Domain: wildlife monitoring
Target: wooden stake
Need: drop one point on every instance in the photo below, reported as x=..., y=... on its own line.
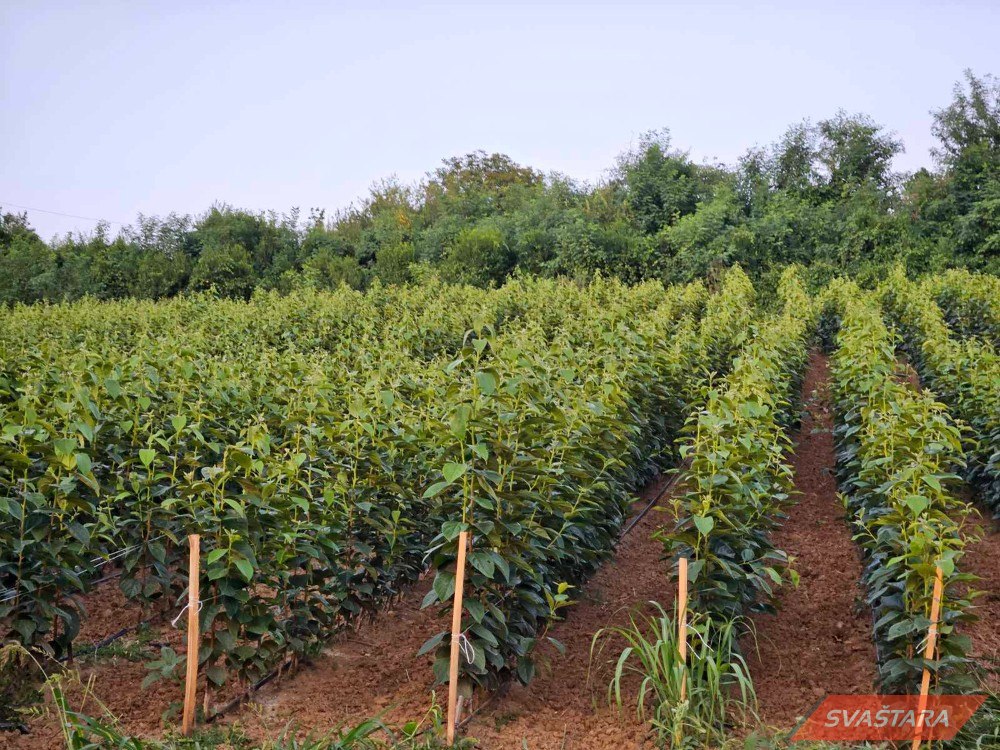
x=932, y=633
x=682, y=603
x=456, y=633
x=191, y=678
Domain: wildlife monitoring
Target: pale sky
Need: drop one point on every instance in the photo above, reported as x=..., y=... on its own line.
x=111, y=109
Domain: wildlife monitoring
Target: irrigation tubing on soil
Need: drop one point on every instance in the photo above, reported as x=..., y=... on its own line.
x=649, y=506
x=245, y=695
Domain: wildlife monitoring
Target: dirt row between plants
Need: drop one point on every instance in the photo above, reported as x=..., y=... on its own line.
x=115, y=679
x=982, y=558
x=564, y=707
x=820, y=640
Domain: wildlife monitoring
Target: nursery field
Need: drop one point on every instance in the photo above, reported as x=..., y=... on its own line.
x=816, y=460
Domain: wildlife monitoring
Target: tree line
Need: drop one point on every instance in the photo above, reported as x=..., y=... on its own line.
x=824, y=195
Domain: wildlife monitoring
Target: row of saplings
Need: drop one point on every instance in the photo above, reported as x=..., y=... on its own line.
x=900, y=459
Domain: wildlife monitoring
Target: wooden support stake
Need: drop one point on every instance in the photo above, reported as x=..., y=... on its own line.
x=456, y=634
x=932, y=633
x=191, y=677
x=682, y=603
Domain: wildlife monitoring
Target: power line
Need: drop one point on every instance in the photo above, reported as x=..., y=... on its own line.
x=59, y=213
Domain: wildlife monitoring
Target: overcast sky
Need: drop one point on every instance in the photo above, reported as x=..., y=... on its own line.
x=111, y=109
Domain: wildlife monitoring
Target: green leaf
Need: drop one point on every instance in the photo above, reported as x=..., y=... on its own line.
x=483, y=562
x=916, y=503
x=83, y=464
x=435, y=489
x=245, y=568
x=146, y=455
x=444, y=585
x=453, y=471
x=431, y=643
x=216, y=674
x=460, y=420
x=65, y=446
x=705, y=524
x=487, y=381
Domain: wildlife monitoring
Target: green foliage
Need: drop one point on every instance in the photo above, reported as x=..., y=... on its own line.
x=225, y=268
x=970, y=302
x=737, y=481
x=544, y=492
x=328, y=271
x=956, y=208
x=898, y=455
x=964, y=374
x=321, y=444
x=714, y=680
x=478, y=256
x=662, y=184
x=392, y=264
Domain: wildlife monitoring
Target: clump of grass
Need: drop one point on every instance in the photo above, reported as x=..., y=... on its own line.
x=719, y=692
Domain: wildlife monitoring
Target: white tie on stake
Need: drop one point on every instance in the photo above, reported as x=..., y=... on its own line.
x=191, y=676
x=457, y=637
x=173, y=623
x=467, y=649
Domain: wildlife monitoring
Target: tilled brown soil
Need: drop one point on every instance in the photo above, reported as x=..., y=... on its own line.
x=113, y=681
x=372, y=672
x=819, y=642
x=982, y=558
x=566, y=706
x=379, y=672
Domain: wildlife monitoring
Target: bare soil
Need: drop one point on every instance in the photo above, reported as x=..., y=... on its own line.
x=372, y=672
x=982, y=558
x=113, y=679
x=819, y=642
x=566, y=706
x=378, y=672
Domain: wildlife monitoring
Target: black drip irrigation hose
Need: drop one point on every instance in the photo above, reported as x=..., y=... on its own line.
x=649, y=506
x=248, y=693
x=670, y=484
x=97, y=645
x=270, y=676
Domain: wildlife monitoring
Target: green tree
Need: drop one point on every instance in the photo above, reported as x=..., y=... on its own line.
x=479, y=256
x=856, y=153
x=392, y=263
x=661, y=183
x=327, y=270
x=226, y=268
